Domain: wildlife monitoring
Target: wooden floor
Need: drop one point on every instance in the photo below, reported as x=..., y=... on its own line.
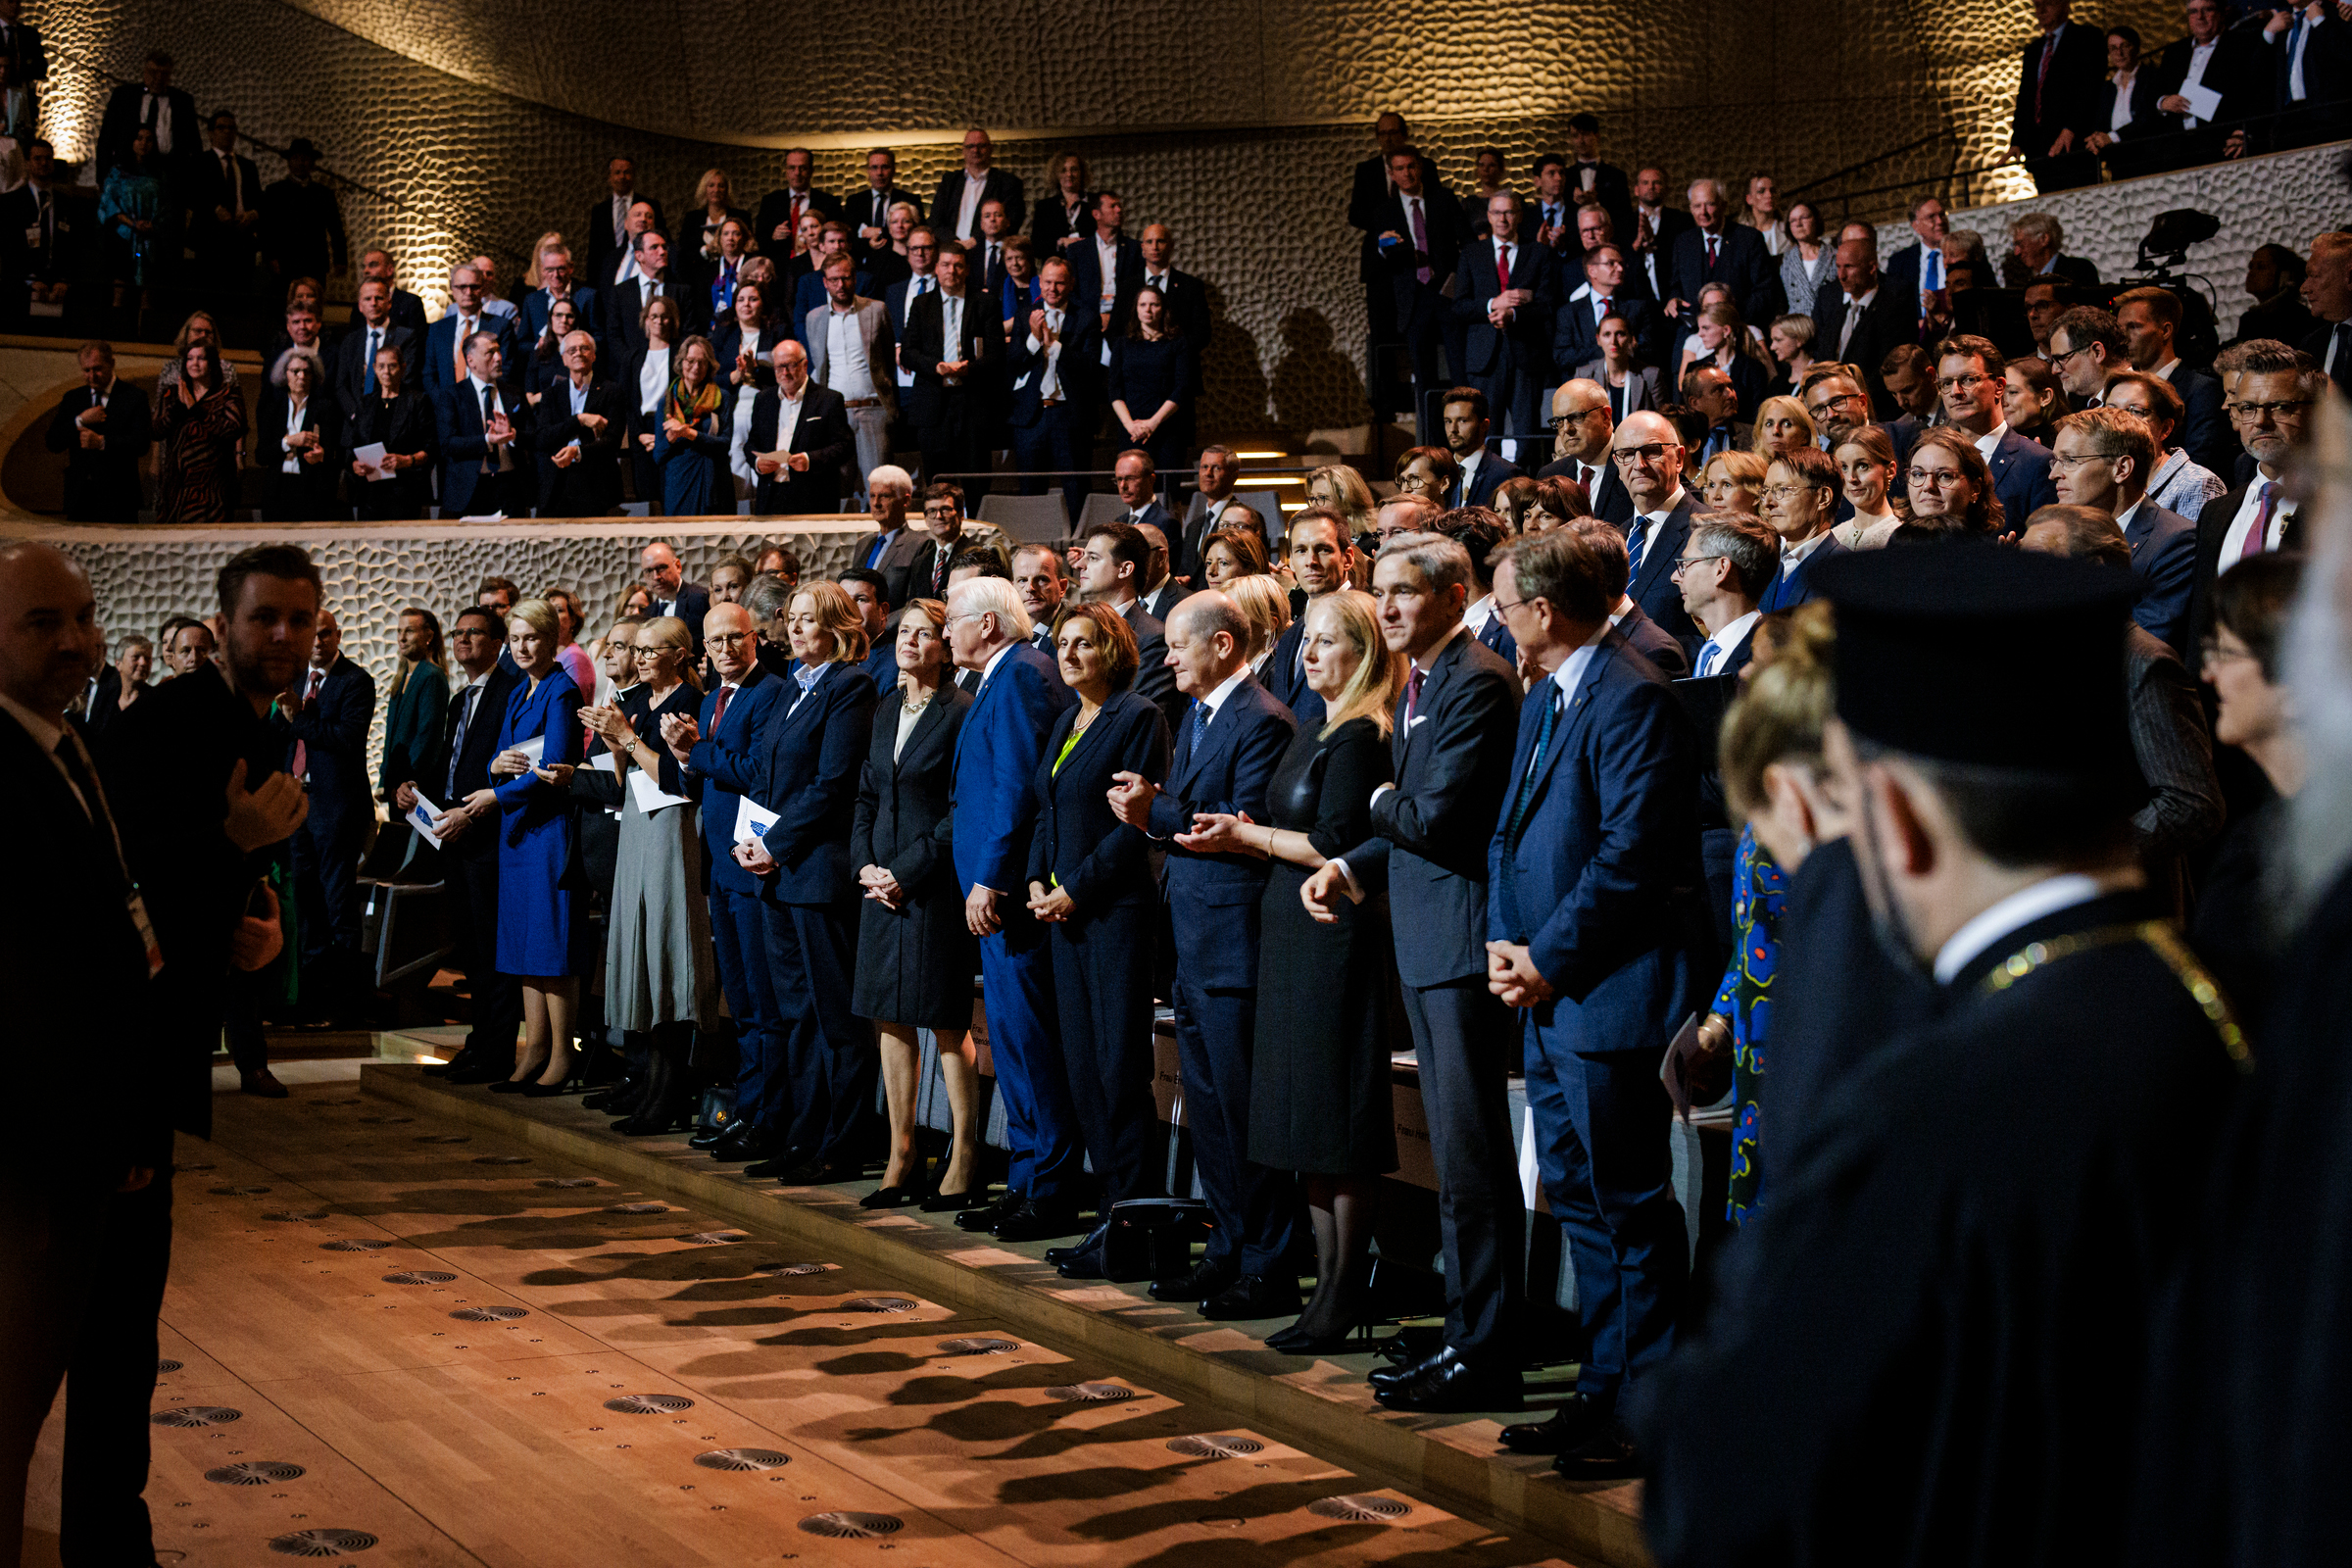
x=410, y=1339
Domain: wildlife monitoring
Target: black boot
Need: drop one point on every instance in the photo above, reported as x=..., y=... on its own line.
x=617, y=1097
x=665, y=1101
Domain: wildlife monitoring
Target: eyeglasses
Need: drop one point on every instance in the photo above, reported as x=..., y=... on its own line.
x=2059, y=359
x=1686, y=563
x=2290, y=408
x=1827, y=404
x=1503, y=609
x=2070, y=461
x=1782, y=492
x=1960, y=383
x=1653, y=451
x=1938, y=477
x=2217, y=654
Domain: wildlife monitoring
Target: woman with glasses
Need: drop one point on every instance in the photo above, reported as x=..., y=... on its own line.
x=543, y=367
x=1950, y=486
x=1809, y=262
x=2178, y=483
x=1430, y=471
x=1866, y=468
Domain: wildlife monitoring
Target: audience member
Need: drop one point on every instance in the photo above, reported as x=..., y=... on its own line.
x=199, y=427
x=103, y=428
x=2100, y=459
x=2177, y=484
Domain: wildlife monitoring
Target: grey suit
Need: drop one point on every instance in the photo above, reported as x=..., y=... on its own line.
x=1640, y=389
x=869, y=414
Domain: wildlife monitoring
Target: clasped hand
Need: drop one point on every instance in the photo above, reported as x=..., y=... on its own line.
x=881, y=886
x=1220, y=833
x=1050, y=904
x=680, y=732
x=1512, y=975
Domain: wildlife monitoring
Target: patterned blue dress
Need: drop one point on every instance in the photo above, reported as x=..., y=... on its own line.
x=537, y=860
x=1759, y=900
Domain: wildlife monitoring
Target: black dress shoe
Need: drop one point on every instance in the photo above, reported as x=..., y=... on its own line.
x=985, y=1217
x=1198, y=1282
x=1408, y=1344
x=1390, y=1377
x=1038, y=1222
x=1252, y=1297
x=1294, y=1341
x=1576, y=1420
x=615, y=1098
x=509, y=1086
x=807, y=1172
x=481, y=1071
x=891, y=1197
x=1455, y=1387
x=535, y=1090
x=955, y=1203
x=260, y=1082
x=743, y=1141
x=712, y=1136
x=1092, y=1243
x=1606, y=1456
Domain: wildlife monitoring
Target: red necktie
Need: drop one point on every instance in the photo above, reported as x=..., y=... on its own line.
x=2258, y=537
x=719, y=715
x=1502, y=267
x=1604, y=306
x=1413, y=695
x=1712, y=242
x=2041, y=74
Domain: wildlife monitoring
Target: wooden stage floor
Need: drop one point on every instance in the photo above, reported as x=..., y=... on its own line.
x=414, y=1331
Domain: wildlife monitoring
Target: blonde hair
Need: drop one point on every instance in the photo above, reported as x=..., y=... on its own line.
x=1350, y=496
x=1779, y=716
x=552, y=240
x=836, y=615
x=1371, y=692
x=1744, y=468
x=1265, y=603
x=669, y=631
x=1790, y=405
x=539, y=615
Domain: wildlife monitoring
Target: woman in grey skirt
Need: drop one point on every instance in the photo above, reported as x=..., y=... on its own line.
x=915, y=955
x=660, y=979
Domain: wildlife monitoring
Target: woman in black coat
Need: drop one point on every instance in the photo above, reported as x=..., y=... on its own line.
x=1090, y=878
x=297, y=438
x=1065, y=215
x=915, y=955
x=1155, y=376
x=400, y=421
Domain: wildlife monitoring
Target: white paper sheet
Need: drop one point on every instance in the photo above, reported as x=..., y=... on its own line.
x=649, y=796
x=425, y=817
x=372, y=454
x=531, y=749
x=753, y=821
x=2204, y=102
x=605, y=762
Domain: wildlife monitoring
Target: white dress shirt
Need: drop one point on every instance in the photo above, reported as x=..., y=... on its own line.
x=846, y=369
x=1719, y=647
x=295, y=410
x=504, y=461
x=1049, y=388
x=967, y=207
x=654, y=380
x=2013, y=913
x=1990, y=440
x=2233, y=540
x=1793, y=556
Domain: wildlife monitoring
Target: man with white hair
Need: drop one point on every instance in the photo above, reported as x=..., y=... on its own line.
x=1716, y=250
x=892, y=547
x=993, y=814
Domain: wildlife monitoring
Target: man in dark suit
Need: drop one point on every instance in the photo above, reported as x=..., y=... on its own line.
x=1184, y=296
x=1861, y=319
x=40, y=245
x=2037, y=254
x=2210, y=85
x=1419, y=244
x=955, y=204
x=1506, y=298
x=302, y=222
x=1602, y=294
x=407, y=309
x=351, y=368
x=1970, y=373
x=484, y=426
x=2275, y=412
x=1107, y=265
x=155, y=104
x=992, y=814
x=1582, y=433
x=1711, y=395
x=81, y=970
x=1480, y=469
x=578, y=428
x=1428, y=853
x=1055, y=361
x=2101, y=458
x=1225, y=752
x=557, y=283
x=1594, y=183
x=2151, y=322
x=1655, y=229
x=103, y=428
x=1800, y=506
x=606, y=234
x=800, y=438
x=1212, y=494
x=953, y=346
x=1593, y=899
x=780, y=210
x=657, y=565
x=1112, y=572
x=1717, y=250
x=1323, y=559
x=226, y=198
x=625, y=303
x=445, y=341
x=1726, y=565
x=922, y=259
x=198, y=833
x=2328, y=294
x=867, y=212
x=1649, y=456
x=2058, y=100
x=449, y=775
x=1369, y=204
x=1915, y=272
x=324, y=721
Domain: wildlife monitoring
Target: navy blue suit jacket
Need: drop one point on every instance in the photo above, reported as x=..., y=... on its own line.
x=1609, y=501
x=1791, y=588
x=730, y=767
x=440, y=350
x=1741, y=264
x=1653, y=586
x=1244, y=743
x=1526, y=343
x=530, y=316
x=333, y=731
x=1287, y=682
x=1573, y=329
x=1599, y=880
x=1653, y=643
x=1498, y=638
x=459, y=421
x=2021, y=477
x=816, y=748
x=1492, y=469
x=995, y=791
x=2204, y=428
x=1085, y=276
x=1080, y=843
x=2163, y=558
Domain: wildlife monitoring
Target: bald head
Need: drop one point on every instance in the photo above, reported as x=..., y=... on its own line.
x=728, y=632
x=49, y=637
x=1857, y=266
x=1649, y=453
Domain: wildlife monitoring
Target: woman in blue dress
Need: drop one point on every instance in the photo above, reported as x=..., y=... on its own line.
x=539, y=877
x=698, y=421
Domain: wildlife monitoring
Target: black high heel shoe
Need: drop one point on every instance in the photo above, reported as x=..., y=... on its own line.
x=902, y=1197
x=536, y=1088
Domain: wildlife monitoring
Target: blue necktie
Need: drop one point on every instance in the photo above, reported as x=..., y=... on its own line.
x=1634, y=542
x=1199, y=726
x=1535, y=765
x=1707, y=657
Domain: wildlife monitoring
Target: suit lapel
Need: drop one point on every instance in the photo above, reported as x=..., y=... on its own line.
x=1216, y=738
x=925, y=733
x=1659, y=550
x=1571, y=722
x=1430, y=687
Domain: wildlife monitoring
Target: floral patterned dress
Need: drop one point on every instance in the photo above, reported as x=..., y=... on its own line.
x=1759, y=900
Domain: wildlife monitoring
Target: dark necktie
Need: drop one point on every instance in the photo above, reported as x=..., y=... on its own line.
x=1413, y=695
x=939, y=572
x=1634, y=542
x=375, y=340
x=2042, y=73
x=1712, y=244
x=1502, y=268
x=1200, y=729
x=489, y=413
x=457, y=741
x=719, y=715
x=2258, y=537
x=1534, y=763
x=2341, y=375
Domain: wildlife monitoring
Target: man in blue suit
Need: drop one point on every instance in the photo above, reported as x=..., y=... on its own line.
x=1466, y=423
x=2102, y=459
x=484, y=426
x=1727, y=565
x=1649, y=456
x=1597, y=933
x=989, y=822
x=1428, y=852
x=1226, y=751
x=1508, y=298
x=2150, y=320
x=445, y=359
x=556, y=283
x=1915, y=274
x=1801, y=506
x=326, y=720
x=1970, y=379
x=722, y=751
